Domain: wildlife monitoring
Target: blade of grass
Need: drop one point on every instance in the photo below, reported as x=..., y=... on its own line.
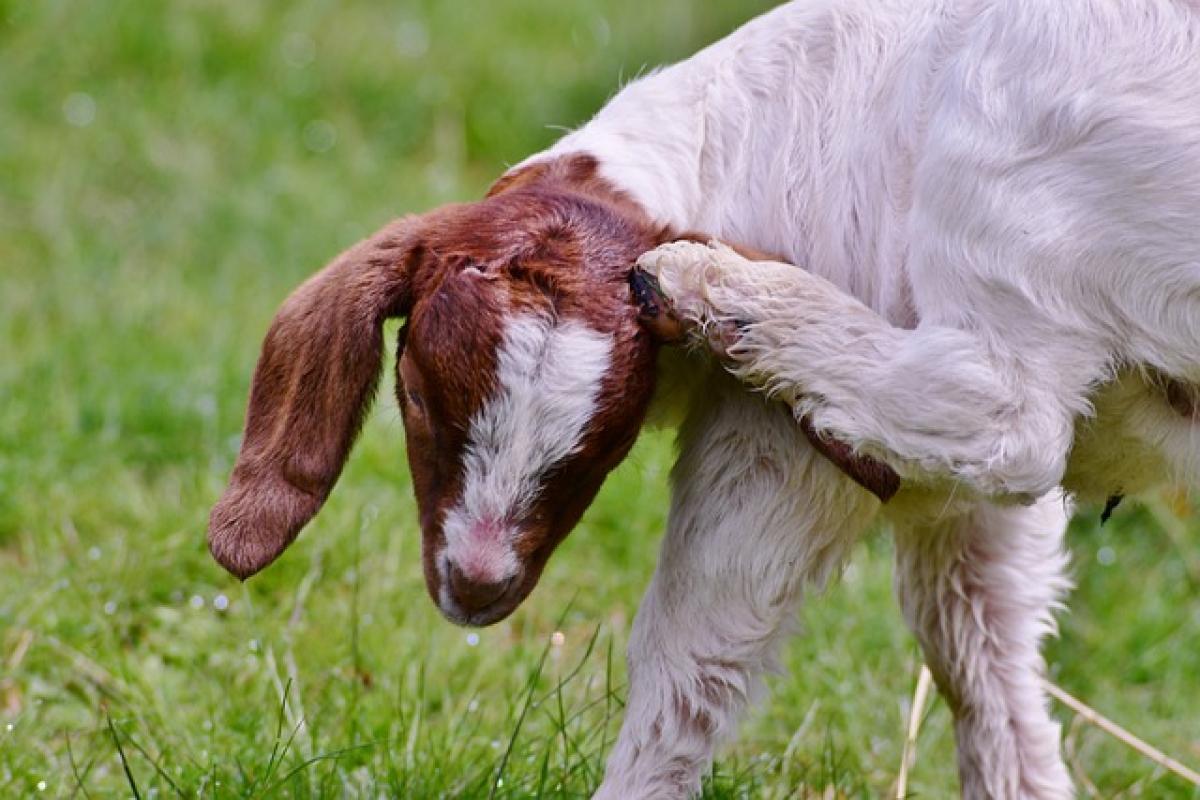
x=272, y=760
x=112, y=729
x=308, y=762
x=79, y=787
x=157, y=766
x=531, y=687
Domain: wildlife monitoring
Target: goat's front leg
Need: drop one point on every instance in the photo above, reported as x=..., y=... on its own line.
x=933, y=402
x=755, y=513
x=978, y=590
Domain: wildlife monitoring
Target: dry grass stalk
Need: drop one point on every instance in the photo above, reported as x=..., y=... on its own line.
x=1124, y=736
x=915, y=715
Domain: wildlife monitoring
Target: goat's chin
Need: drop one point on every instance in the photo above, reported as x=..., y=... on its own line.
x=476, y=619
x=496, y=611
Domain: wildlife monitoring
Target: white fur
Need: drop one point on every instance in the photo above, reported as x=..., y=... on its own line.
x=548, y=377
x=997, y=203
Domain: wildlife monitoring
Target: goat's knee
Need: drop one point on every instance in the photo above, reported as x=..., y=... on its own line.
x=1014, y=448
x=939, y=411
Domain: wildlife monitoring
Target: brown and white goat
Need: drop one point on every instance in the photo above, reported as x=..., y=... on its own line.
x=997, y=205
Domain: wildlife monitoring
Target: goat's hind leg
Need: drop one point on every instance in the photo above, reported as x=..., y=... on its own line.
x=979, y=590
x=755, y=513
x=934, y=402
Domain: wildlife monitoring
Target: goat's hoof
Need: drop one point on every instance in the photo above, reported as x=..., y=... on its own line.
x=655, y=311
x=680, y=270
x=677, y=277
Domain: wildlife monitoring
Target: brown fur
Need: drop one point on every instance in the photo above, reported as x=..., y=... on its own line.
x=555, y=239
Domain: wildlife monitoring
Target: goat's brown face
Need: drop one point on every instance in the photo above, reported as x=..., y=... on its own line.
x=523, y=377
x=523, y=380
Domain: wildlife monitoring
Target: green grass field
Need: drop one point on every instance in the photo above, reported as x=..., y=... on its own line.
x=168, y=172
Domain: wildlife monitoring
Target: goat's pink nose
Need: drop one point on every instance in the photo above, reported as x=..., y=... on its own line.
x=471, y=594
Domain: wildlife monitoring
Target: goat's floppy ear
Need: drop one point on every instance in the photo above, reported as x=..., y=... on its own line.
x=314, y=381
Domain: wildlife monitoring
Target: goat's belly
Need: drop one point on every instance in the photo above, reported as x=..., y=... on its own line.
x=1136, y=440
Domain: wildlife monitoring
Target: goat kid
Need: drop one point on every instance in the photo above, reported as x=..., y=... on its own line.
x=997, y=202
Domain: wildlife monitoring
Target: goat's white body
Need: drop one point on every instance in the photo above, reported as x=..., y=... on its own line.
x=1024, y=170
x=998, y=205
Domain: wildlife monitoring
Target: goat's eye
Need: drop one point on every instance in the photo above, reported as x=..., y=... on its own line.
x=414, y=399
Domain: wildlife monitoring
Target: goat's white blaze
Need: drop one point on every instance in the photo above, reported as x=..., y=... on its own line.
x=549, y=374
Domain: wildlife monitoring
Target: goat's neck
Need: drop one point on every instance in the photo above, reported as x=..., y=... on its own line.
x=768, y=138
x=649, y=143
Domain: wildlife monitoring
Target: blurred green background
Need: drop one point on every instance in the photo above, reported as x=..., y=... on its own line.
x=168, y=172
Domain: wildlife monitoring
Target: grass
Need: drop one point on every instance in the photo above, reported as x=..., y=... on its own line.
x=170, y=171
